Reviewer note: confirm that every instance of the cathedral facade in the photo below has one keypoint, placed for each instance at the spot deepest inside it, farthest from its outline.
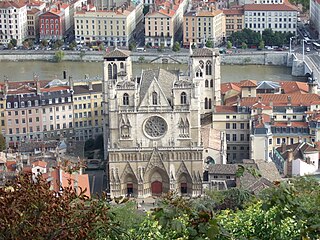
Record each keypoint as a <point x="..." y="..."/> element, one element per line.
<point x="152" y="125"/>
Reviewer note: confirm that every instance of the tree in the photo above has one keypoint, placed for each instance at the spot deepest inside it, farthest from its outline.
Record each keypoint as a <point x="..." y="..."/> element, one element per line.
<point x="176" y="47"/>
<point x="229" y="45"/>
<point x="209" y="44"/>
<point x="2" y="143"/>
<point x="101" y="47"/>
<point x="161" y="47"/>
<point x="58" y="44"/>
<point x="10" y="46"/>
<point x="244" y="45"/>
<point x="261" y="45"/>
<point x="58" y="56"/>
<point x="89" y="144"/>
<point x="141" y="59"/>
<point x="13" y="42"/>
<point x="73" y="45"/>
<point x="31" y="210"/>
<point x="44" y="43"/>
<point x="132" y="46"/>
<point x="25" y="44"/>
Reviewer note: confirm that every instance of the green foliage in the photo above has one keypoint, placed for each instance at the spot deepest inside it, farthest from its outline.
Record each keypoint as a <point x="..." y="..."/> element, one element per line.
<point x="58" y="44"/>
<point x="141" y="59"/>
<point x="89" y="144"/>
<point x="161" y="47"/>
<point x="261" y="45"/>
<point x="101" y="47"/>
<point x="305" y="4"/>
<point x="13" y="42"/>
<point x="271" y="38"/>
<point x="209" y="44"/>
<point x="73" y="45"/>
<point x="132" y="46"/>
<point x="229" y="45"/>
<point x="247" y="36"/>
<point x="2" y="143"/>
<point x="44" y="43"/>
<point x="244" y="45"/>
<point x="176" y="47"/>
<point x="31" y="210"/>
<point x="58" y="56"/>
<point x="10" y="46"/>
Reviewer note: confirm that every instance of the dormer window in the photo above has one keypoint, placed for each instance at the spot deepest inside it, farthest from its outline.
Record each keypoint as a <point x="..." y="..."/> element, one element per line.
<point x="154" y="98"/>
<point x="8" y="105"/>
<point x="15" y="104"/>
<point x="22" y="104"/>
<point x="36" y="103"/>
<point x="29" y="103"/>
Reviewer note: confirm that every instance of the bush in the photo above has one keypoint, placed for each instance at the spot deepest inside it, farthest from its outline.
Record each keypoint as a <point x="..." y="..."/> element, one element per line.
<point x="58" y="56"/>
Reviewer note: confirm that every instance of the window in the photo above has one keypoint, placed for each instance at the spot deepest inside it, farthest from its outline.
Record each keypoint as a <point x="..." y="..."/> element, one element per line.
<point x="208" y="68"/>
<point x="234" y="126"/>
<point x="155" y="98"/>
<point x="234" y="137"/>
<point x="241" y="125"/>
<point x="206" y="83"/>
<point x="125" y="100"/>
<point x="183" y="98"/>
<point x="227" y="125"/>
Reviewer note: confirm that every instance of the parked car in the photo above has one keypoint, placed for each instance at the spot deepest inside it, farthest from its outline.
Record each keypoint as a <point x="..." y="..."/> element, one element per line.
<point x="307" y="49"/>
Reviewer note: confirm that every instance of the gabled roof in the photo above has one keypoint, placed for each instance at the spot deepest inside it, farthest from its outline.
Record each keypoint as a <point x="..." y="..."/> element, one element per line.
<point x="163" y="77"/>
<point x="118" y="53"/>
<point x="268" y="85"/>
<point x="248" y="83"/>
<point x="222" y="169"/>
<point x="203" y="52"/>
<point x="11" y="4"/>
<point x="42" y="164"/>
<point x="225" y="87"/>
<point x="293" y="86"/>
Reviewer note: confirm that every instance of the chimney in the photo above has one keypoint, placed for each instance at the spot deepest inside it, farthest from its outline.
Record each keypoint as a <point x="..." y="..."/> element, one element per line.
<point x="37" y="83"/>
<point x="289" y="163"/>
<point x="283" y="147"/>
<point x="90" y="86"/>
<point x="6" y="85"/>
<point x="289" y="100"/>
<point x="289" y="122"/>
<point x="272" y="121"/>
<point x="71" y="83"/>
<point x="168" y="10"/>
<point x="59" y="6"/>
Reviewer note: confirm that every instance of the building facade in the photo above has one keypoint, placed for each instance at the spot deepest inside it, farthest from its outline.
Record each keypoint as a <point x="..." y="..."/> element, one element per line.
<point x="234" y="20"/>
<point x="33" y="23"/>
<point x="315" y="15"/>
<point x="115" y="28"/>
<point x="153" y="126"/>
<point x="13" y="18"/>
<point x="201" y="26"/>
<point x="87" y="110"/>
<point x="278" y="17"/>
<point x="52" y="24"/>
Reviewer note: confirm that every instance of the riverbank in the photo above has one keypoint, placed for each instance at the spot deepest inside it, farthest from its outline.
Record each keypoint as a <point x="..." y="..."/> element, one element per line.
<point x="237" y="58"/>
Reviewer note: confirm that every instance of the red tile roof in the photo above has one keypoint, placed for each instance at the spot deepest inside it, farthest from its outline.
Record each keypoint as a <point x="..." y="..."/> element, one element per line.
<point x="293" y="124"/>
<point x="39" y="163"/>
<point x="9" y="4"/>
<point x="225" y="87"/>
<point x="248" y="83"/>
<point x="293" y="86"/>
<point x="269" y="7"/>
<point x="281" y="99"/>
<point x="233" y="11"/>
<point x="226" y="109"/>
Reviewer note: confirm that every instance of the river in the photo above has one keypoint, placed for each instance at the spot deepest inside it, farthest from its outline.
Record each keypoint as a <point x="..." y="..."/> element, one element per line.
<point x="19" y="71"/>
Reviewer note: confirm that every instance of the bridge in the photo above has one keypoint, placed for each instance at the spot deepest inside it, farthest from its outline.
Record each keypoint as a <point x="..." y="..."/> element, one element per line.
<point x="310" y="65"/>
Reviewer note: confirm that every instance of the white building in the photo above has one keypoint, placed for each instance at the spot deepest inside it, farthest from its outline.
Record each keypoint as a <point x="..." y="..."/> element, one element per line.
<point x="13" y="19"/>
<point x="243" y="2"/>
<point x="278" y="17"/>
<point x="315" y="15"/>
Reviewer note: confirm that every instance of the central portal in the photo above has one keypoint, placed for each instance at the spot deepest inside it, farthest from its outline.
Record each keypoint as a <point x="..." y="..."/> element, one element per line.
<point x="156" y="188"/>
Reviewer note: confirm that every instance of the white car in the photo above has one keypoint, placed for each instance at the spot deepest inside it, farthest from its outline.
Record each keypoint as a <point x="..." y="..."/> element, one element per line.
<point x="308" y="49"/>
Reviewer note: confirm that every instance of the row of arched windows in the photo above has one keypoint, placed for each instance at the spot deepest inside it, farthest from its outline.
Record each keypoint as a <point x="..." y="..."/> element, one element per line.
<point x="112" y="70"/>
<point x="208" y="67"/>
<point x="207" y="103"/>
<point x="206" y="83"/>
<point x="125" y="98"/>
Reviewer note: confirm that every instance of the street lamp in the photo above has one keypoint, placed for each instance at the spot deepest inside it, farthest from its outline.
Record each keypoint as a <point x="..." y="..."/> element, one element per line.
<point x="290" y="46"/>
<point x="303" y="49"/>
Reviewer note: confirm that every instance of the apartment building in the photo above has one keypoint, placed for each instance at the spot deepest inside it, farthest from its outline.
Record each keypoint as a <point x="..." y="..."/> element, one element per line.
<point x="269" y="114"/>
<point x="201" y="26"/>
<point x="278" y="17"/>
<point x="37" y="110"/>
<point x="115" y="28"/>
<point x="163" y="24"/>
<point x="243" y="2"/>
<point x="52" y="24"/>
<point x="33" y="23"/>
<point x="315" y="15"/>
<point x="87" y="110"/>
<point x="234" y="20"/>
<point x="13" y="21"/>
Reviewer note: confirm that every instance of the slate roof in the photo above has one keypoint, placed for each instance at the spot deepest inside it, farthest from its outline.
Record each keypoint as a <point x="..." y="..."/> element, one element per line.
<point x="117" y="53"/>
<point x="268" y="85"/>
<point x="30" y="146"/>
<point x="165" y="79"/>
<point x="299" y="149"/>
<point x="80" y="89"/>
<point x="222" y="169"/>
<point x="203" y="52"/>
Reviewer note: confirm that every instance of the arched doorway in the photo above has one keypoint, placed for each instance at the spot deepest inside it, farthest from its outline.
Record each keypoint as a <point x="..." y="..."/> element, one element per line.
<point x="131" y="185"/>
<point x="159" y="182"/>
<point x="185" y="184"/>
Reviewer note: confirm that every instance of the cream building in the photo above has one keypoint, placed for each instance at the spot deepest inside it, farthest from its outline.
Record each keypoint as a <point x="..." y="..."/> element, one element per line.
<point x="315" y="15"/>
<point x="234" y="20"/>
<point x="115" y="28"/>
<point x="87" y="110"/>
<point x="13" y="18"/>
<point x="163" y="25"/>
<point x="200" y="26"/>
<point x="278" y="17"/>
<point x="153" y="127"/>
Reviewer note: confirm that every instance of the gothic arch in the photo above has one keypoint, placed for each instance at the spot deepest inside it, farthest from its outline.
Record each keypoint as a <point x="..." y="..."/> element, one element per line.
<point x="158" y="181"/>
<point x="208" y="68"/>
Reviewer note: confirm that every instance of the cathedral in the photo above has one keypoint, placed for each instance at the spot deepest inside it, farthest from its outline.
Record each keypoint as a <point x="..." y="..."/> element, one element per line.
<point x="152" y="124"/>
